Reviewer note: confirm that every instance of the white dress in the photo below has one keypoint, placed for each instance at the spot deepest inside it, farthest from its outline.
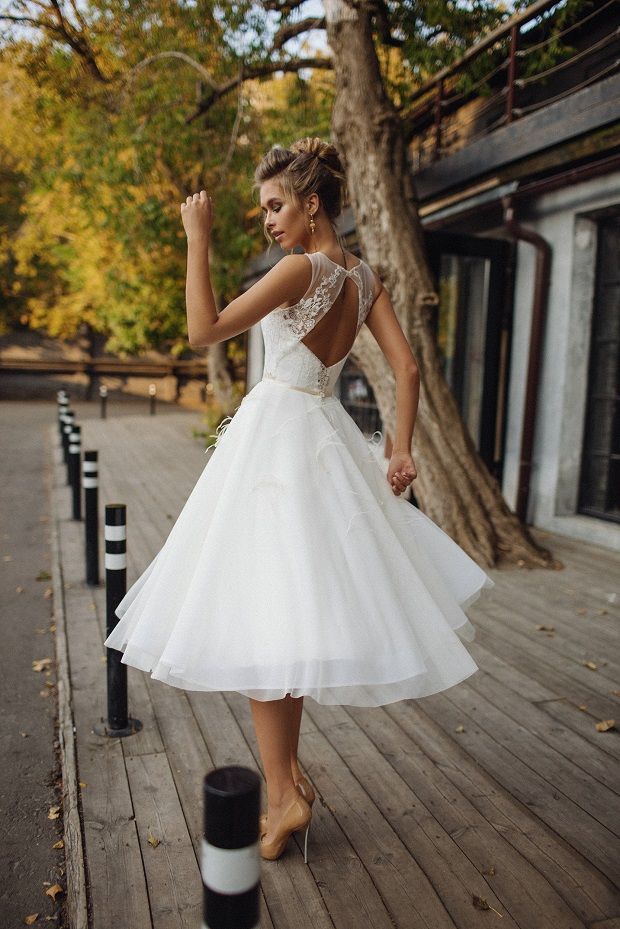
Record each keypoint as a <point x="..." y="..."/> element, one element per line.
<point x="293" y="568"/>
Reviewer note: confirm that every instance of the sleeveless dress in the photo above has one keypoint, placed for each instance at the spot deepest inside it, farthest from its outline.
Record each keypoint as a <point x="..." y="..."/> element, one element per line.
<point x="293" y="568"/>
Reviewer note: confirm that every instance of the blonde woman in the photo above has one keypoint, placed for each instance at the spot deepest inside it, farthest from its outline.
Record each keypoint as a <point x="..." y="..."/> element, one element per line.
<point x="296" y="568"/>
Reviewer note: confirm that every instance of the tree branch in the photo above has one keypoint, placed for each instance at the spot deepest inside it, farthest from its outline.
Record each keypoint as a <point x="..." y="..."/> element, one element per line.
<point x="246" y="74"/>
<point x="285" y="33"/>
<point x="284" y="7"/>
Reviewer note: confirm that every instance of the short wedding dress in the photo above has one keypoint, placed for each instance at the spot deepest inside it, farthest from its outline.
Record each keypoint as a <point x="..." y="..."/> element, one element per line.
<point x="293" y="568"/>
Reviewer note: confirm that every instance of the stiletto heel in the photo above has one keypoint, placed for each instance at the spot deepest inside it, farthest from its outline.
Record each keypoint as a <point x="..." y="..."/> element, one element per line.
<point x="297" y="816"/>
<point x="306" y="843"/>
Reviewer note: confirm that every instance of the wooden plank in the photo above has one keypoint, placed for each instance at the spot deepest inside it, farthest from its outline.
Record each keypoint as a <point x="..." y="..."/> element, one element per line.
<point x="172" y="868"/>
<point x="497" y="870"/>
<point x="486" y="739"/>
<point x="583" y="887"/>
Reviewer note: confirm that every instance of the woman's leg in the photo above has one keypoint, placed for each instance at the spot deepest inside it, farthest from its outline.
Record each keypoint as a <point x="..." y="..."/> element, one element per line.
<point x="272" y="725"/>
<point x="295" y="706"/>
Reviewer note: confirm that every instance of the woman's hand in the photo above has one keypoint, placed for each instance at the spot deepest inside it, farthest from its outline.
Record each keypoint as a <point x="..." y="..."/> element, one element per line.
<point x="401" y="472"/>
<point x="197" y="216"/>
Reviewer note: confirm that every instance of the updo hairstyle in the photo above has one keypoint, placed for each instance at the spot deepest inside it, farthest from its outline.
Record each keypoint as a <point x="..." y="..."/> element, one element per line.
<point x="308" y="166"/>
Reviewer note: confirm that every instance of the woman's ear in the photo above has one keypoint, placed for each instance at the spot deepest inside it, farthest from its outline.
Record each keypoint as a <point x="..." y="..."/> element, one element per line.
<point x="313" y="203"/>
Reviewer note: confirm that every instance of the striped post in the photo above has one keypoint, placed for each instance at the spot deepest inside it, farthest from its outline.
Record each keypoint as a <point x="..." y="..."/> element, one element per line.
<point x="90" y="483"/>
<point x="73" y="470"/>
<point x="67" y="429"/>
<point x="118" y="722"/>
<point x="153" y="396"/>
<point x="230" y="863"/>
<point x="103" y="397"/>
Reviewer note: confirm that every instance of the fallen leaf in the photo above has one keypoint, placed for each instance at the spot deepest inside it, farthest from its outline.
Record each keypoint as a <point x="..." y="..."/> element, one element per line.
<point x="460" y="728"/>
<point x="59" y="844"/>
<point x="54" y="812"/>
<point x="150" y="838"/>
<point x="24" y="735"/>
<point x="49" y="683"/>
<point x="44" y="519"/>
<point x="52" y="627"/>
<point x="590" y="664"/>
<point x="7" y="558"/>
<point x="49" y="592"/>
<point x="29" y="920"/>
<point x="601" y="612"/>
<point x="82" y="784"/>
<point x="481" y="904"/>
<point x="605" y="725"/>
<point x="490" y="870"/>
<point x="19" y="590"/>
<point x="44" y="693"/>
<point x="41" y="663"/>
<point x="582" y="706"/>
<point x="546" y="628"/>
<point x="43" y="576"/>
<point x="40" y="631"/>
<point x="54" y="891"/>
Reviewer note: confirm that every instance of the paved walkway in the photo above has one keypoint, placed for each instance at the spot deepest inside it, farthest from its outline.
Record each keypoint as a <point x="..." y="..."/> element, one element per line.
<point x="499" y="790"/>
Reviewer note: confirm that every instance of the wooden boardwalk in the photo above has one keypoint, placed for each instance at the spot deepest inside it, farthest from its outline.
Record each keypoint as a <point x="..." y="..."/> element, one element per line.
<point x="500" y="788"/>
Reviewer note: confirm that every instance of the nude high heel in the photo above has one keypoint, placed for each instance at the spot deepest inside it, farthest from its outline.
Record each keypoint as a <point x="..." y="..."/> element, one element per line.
<point x="304" y="786"/>
<point x="297" y="816"/>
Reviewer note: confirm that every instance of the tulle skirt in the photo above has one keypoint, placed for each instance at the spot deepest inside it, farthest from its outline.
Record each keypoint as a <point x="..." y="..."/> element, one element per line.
<point x="294" y="569"/>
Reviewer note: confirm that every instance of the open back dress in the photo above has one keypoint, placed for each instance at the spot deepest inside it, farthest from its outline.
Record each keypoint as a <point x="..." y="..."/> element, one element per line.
<point x="293" y="568"/>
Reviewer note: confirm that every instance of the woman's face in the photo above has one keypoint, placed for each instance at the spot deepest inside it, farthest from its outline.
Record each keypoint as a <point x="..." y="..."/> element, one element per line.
<point x="283" y="221"/>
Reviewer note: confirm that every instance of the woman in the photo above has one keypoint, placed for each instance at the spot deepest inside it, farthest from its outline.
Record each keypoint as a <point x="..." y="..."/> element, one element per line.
<point x="294" y="569"/>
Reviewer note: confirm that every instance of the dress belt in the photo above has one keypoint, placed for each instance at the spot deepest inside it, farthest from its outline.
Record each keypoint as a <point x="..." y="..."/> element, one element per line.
<point x="306" y="390"/>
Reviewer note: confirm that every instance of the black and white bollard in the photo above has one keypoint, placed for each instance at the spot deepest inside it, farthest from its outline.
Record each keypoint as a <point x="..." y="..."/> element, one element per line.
<point x="153" y="396"/>
<point x="90" y="483"/>
<point x="73" y="470"/>
<point x="67" y="429"/>
<point x="118" y="722"/>
<point x="231" y="860"/>
<point x="103" y="397"/>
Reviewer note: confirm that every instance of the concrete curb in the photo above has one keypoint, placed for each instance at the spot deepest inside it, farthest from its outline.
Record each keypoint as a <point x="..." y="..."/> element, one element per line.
<point x="77" y="896"/>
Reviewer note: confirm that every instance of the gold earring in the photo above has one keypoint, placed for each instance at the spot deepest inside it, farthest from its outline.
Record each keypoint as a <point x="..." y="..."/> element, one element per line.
<point x="312" y="224"/>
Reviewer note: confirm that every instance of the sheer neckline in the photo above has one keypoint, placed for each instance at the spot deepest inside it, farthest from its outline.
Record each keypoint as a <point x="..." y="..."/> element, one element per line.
<point x="354" y="268"/>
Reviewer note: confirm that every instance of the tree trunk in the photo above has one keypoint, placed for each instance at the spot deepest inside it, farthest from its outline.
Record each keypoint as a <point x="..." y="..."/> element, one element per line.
<point x="453" y="486"/>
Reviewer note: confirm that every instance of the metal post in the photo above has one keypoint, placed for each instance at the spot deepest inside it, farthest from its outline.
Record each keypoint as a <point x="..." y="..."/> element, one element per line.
<point x="103" y="397"/>
<point x="230" y="863"/>
<point x="118" y="722"/>
<point x="90" y="483"/>
<point x="73" y="469"/>
<point x="67" y="429"/>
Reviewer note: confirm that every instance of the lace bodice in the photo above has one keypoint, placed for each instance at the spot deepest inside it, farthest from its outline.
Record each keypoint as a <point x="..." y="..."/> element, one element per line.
<point x="287" y="358"/>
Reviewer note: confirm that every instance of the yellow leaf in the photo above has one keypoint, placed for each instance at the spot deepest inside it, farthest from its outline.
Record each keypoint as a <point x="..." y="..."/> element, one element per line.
<point x="590" y="664"/>
<point x="615" y="693"/>
<point x="53" y="891"/>
<point x="52" y="627"/>
<point x="605" y="725"/>
<point x="460" y="728"/>
<point x="82" y="784"/>
<point x="29" y="920"/>
<point x="582" y="706"/>
<point x="602" y="612"/>
<point x="40" y="631"/>
<point x="41" y="663"/>
<point x="24" y="735"/>
<point x="54" y="812"/>
<point x="59" y="844"/>
<point x="49" y="592"/>
<point x="43" y="576"/>
<point x="19" y="590"/>
<point x="150" y="838"/>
